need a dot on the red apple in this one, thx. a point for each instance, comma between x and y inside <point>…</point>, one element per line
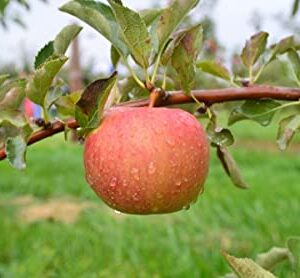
<point>147,160</point>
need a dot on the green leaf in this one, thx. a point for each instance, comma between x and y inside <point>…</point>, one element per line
<point>185,56</point>
<point>170,48</point>
<point>134,32</point>
<point>295,7</point>
<point>52,96</point>
<point>13,116</point>
<point>13,123</point>
<point>171,17</point>
<point>89,109</point>
<point>44,54</point>
<point>14,100</point>
<point>255,110</point>
<point>273,257</point>
<point>65,105</point>
<point>150,15</point>
<point>231,168</point>
<point>215,69</point>
<point>3,78</point>
<point>17,83</point>
<point>42,79</point>
<point>59,46</point>
<point>114,56</point>
<point>287,129</point>
<point>65,37</point>
<point>295,61</point>
<point>16,151</point>
<point>220,136</point>
<point>246,268</point>
<point>281,47</point>
<point>254,48</point>
<point>100,17</point>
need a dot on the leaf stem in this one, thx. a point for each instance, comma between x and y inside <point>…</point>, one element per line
<point>156,66</point>
<point>135,77</point>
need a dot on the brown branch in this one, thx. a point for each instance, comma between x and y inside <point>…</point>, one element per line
<point>209,97</point>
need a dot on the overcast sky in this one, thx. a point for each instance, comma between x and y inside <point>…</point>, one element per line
<point>232,17</point>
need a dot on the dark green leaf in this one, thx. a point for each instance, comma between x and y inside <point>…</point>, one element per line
<point>100,17</point>
<point>231,168</point>
<point>246,268</point>
<point>215,69</point>
<point>185,56</point>
<point>254,48</point>
<point>134,32</point>
<point>114,56</point>
<point>273,257</point>
<point>220,136</point>
<point>16,151</point>
<point>90,107</point>
<point>287,129</point>
<point>150,15</point>
<point>46,52</point>
<point>295,7</point>
<point>171,17</point>
<point>42,79</point>
<point>58,46</point>
<point>65,37</point>
<point>295,61</point>
<point>255,110</point>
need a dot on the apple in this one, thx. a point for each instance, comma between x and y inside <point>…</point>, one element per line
<point>147,160</point>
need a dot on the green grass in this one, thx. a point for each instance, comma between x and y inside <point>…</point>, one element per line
<point>185,244</point>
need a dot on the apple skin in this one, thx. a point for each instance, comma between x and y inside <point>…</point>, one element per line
<point>147,160</point>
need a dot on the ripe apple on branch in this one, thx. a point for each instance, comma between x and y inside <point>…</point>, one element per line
<point>140,158</point>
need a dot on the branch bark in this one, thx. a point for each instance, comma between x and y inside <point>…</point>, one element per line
<point>208,97</point>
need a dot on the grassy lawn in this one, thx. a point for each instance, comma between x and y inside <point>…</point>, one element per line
<point>102,243</point>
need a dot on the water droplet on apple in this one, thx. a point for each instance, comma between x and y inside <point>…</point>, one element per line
<point>171,142</point>
<point>134,170</point>
<point>159,195</point>
<point>178,183</point>
<point>113,182</point>
<point>187,207</point>
<point>151,168</point>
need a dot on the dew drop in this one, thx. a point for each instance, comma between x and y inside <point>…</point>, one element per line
<point>185,180</point>
<point>171,142</point>
<point>159,195</point>
<point>187,207</point>
<point>151,168</point>
<point>113,182</point>
<point>178,183</point>
<point>134,170</point>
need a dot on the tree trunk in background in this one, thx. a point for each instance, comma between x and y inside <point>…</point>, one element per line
<point>75,77</point>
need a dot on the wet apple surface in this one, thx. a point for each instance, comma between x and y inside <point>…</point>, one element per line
<point>147,160</point>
